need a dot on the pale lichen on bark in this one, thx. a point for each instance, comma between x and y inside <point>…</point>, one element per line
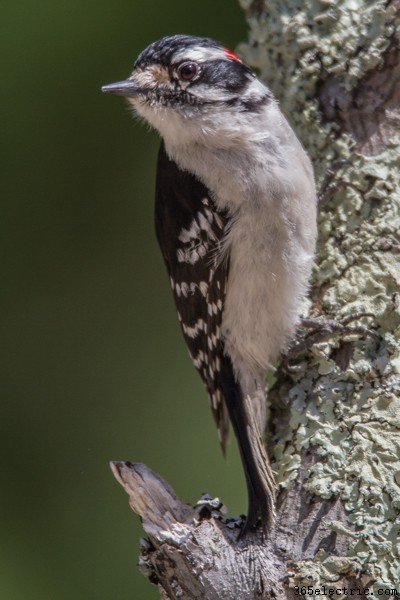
<point>296,45</point>
<point>324,61</point>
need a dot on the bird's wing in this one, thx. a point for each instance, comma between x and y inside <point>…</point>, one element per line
<point>190,231</point>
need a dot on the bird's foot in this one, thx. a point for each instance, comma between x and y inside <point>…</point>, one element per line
<point>209,507</point>
<point>331,184</point>
<point>212,508</point>
<point>323,330</point>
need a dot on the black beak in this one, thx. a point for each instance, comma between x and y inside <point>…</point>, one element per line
<point>121,88</point>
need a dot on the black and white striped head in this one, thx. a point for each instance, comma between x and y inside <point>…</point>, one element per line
<point>190,76</point>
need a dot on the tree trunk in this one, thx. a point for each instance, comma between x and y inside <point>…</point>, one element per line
<point>334,427</point>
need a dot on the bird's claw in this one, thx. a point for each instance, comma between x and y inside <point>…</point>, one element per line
<point>322,330</point>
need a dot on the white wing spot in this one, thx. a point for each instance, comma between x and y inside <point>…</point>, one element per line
<point>218,220</point>
<point>203,287</point>
<point>203,222</point>
<point>202,250</point>
<point>180,255</point>
<point>198,361</point>
<point>193,332</point>
<point>184,289</point>
<point>209,214</point>
<point>188,235</point>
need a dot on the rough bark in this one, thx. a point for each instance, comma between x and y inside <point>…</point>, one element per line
<point>334,426</point>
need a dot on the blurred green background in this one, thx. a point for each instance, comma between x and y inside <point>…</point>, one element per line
<point>94,366</point>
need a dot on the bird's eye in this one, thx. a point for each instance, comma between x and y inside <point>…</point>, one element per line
<point>188,71</point>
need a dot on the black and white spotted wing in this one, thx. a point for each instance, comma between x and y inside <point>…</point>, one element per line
<point>190,230</point>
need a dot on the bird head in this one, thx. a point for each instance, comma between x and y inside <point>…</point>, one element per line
<point>183,79</point>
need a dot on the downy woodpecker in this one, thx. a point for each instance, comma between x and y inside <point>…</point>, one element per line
<point>235,219</point>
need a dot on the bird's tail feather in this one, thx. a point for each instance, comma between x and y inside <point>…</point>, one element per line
<point>259,477</point>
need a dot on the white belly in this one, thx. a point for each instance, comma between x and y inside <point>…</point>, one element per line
<point>270,264</point>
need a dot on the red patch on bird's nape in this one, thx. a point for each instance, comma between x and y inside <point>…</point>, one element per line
<point>232,55</point>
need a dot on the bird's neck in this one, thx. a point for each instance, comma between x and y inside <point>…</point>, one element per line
<point>234,173</point>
